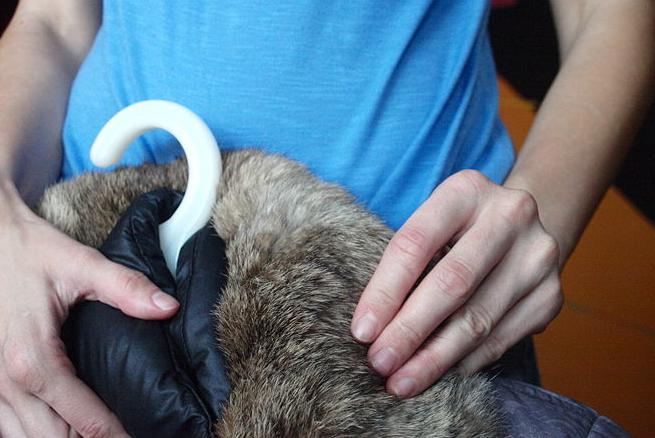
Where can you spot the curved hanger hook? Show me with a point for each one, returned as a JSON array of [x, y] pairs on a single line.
[[203, 158]]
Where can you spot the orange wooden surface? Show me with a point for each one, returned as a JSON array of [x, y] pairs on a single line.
[[601, 348]]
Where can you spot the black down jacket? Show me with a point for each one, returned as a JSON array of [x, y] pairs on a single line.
[[161, 378]]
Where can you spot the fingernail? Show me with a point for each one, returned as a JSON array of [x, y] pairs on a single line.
[[164, 301], [384, 361], [365, 327], [404, 387]]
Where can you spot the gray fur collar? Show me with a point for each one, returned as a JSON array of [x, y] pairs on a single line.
[[300, 252]]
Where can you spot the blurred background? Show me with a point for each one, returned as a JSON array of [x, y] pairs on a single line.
[[601, 349]]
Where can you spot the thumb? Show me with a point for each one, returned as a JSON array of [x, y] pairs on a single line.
[[125, 289]]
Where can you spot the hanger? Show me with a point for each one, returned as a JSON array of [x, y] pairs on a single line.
[[203, 158]]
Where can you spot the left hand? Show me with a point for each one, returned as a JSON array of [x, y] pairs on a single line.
[[497, 284]]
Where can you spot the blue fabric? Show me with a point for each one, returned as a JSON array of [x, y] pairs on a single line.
[[532, 412], [385, 98]]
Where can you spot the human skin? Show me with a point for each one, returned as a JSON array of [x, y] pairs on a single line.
[[500, 282], [44, 272], [564, 168]]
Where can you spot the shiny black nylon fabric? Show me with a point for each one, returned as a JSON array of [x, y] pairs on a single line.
[[161, 378]]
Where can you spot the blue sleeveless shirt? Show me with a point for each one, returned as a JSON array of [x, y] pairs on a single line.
[[386, 98]]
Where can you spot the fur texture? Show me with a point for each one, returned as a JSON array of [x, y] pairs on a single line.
[[300, 252]]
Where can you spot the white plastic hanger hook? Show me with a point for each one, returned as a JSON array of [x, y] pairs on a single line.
[[203, 158]]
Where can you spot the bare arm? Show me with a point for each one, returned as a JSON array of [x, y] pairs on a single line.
[[591, 113], [41, 51], [43, 271]]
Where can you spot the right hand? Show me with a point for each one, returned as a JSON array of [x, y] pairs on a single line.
[[42, 274]]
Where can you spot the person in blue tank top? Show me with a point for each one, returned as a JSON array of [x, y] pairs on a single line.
[[396, 101], [387, 114]]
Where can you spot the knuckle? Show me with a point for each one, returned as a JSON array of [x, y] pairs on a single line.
[[477, 323], [541, 324], [384, 298], [472, 180], [550, 251], [559, 301], [555, 299], [410, 242], [409, 335], [454, 277], [552, 290], [520, 207], [21, 367], [131, 280], [542, 260], [94, 428], [493, 349], [432, 361]]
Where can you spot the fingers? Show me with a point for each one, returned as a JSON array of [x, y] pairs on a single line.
[[441, 292], [502, 256], [40, 380], [25, 415], [409, 251], [10, 426], [80, 407], [529, 316], [130, 291], [476, 322], [22, 414], [37, 419], [45, 273], [85, 273]]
